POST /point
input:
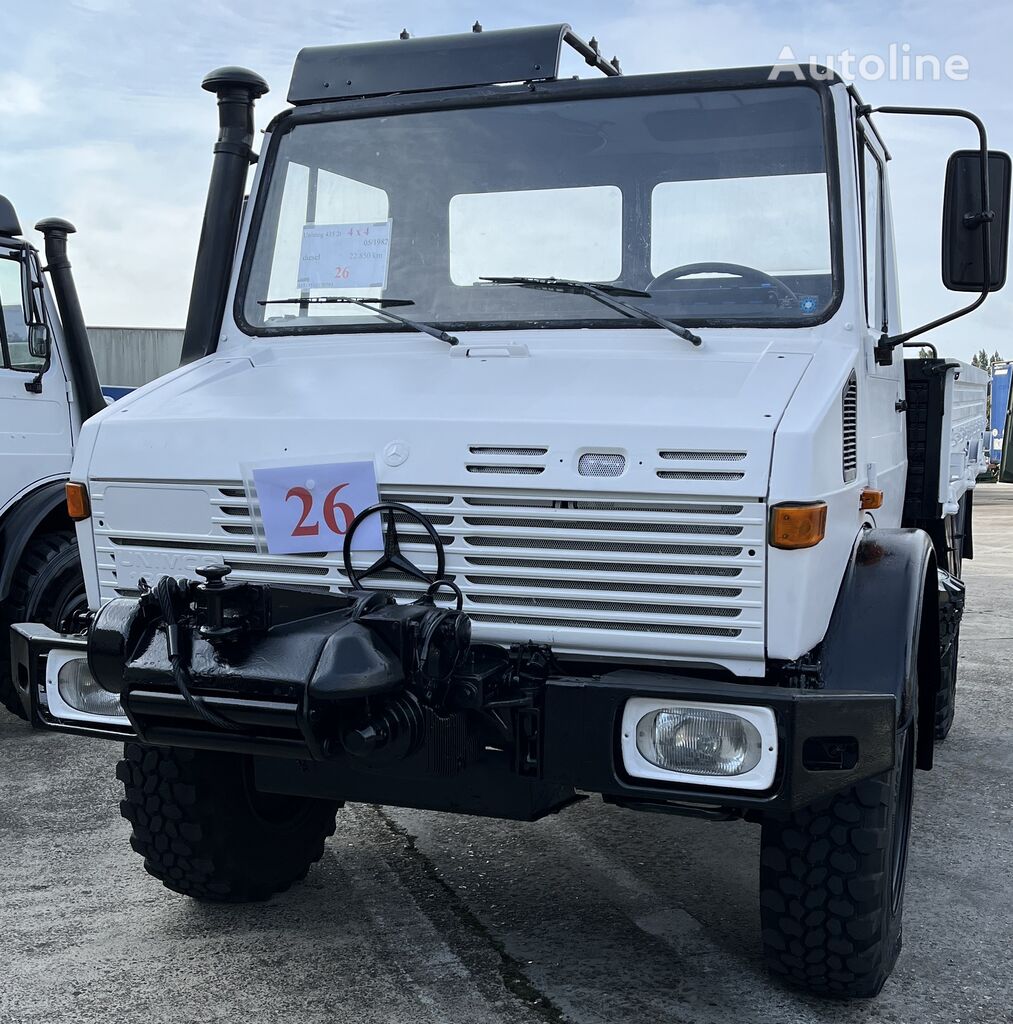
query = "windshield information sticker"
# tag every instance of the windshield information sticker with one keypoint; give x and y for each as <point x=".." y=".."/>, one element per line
<point x="344" y="255"/>
<point x="308" y="509"/>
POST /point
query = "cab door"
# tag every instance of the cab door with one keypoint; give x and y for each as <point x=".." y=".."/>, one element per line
<point x="881" y="408"/>
<point x="35" y="422"/>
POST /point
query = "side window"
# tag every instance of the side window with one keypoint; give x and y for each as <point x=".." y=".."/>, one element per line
<point x="873" y="237"/>
<point x="14" y="354"/>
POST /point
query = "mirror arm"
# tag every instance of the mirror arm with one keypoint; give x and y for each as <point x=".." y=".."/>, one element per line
<point x="982" y="218"/>
<point x="886" y="344"/>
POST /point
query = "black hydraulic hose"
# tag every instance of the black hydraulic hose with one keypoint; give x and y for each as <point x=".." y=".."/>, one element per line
<point x="169" y="595"/>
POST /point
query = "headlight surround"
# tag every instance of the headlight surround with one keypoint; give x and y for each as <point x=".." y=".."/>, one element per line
<point x="703" y="744"/>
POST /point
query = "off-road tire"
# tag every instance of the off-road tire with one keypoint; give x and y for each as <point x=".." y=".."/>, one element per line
<point x="48" y="587"/>
<point x="205" y="832"/>
<point x="829" y="908"/>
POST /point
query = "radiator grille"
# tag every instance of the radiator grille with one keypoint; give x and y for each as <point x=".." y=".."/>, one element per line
<point x="611" y="575"/>
<point x="849" y="425"/>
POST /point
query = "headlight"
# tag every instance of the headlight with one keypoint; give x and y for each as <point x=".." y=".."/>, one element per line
<point x="72" y="694"/>
<point x="702" y="742"/>
<point x="78" y="688"/>
<point x="726" y="745"/>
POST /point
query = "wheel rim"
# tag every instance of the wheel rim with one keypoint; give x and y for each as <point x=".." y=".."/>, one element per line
<point x="59" y="599"/>
<point x="902" y="824"/>
<point x="65" y="619"/>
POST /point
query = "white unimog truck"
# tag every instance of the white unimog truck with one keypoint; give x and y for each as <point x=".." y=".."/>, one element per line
<point x="539" y="437"/>
<point x="48" y="387"/>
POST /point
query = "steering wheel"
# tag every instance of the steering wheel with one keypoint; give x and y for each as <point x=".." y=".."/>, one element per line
<point x="392" y="557"/>
<point x="786" y="297"/>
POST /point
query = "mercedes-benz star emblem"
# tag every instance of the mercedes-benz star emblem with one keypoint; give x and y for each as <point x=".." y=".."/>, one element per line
<point x="395" y="453"/>
<point x="392" y="558"/>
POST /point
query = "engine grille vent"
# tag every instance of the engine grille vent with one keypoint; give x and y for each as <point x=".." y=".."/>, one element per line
<point x="849" y="424"/>
<point x="700" y="456"/>
<point x="489" y="456"/>
<point x="480" y="449"/>
<point x="514" y="470"/>
<point x="699" y="464"/>
<point x="697" y="474"/>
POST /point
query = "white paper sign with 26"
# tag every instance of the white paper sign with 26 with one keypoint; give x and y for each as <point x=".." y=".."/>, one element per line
<point x="308" y="509"/>
<point x="344" y="255"/>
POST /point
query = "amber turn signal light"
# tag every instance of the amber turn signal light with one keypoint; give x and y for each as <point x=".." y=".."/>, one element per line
<point x="78" y="505"/>
<point x="798" y="524"/>
<point x="871" y="498"/>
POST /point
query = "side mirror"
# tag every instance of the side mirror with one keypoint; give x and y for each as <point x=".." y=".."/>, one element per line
<point x="964" y="218"/>
<point x="38" y="341"/>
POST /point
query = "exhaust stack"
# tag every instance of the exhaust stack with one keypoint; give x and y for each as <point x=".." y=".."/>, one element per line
<point x="237" y="90"/>
<point x="81" y="368"/>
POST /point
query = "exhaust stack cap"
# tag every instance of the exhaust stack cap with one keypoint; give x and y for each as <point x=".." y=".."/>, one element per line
<point x="55" y="226"/>
<point x="235" y="78"/>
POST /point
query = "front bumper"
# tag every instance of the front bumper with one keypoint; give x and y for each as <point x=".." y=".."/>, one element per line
<point x="826" y="742"/>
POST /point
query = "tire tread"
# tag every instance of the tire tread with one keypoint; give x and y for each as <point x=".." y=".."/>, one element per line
<point x="184" y="830"/>
<point x="36" y="560"/>
<point x="822" y="921"/>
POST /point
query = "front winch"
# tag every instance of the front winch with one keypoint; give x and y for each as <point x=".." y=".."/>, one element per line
<point x="354" y="677"/>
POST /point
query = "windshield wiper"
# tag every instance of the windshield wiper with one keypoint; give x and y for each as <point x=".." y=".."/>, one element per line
<point x="376" y="306"/>
<point x="606" y="294"/>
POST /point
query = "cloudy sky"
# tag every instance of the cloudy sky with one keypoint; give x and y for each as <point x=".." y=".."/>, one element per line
<point x="104" y="121"/>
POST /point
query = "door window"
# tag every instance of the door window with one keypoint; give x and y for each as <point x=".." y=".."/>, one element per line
<point x="873" y="238"/>
<point x="14" y="352"/>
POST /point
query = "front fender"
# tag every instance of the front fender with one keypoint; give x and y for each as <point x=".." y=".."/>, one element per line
<point x="884" y="625"/>
<point x="20" y="523"/>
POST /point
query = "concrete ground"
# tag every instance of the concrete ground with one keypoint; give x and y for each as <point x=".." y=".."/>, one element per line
<point x="596" y="915"/>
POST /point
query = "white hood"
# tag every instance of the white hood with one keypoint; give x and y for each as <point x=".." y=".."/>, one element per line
<point x="664" y="561"/>
<point x="712" y="410"/>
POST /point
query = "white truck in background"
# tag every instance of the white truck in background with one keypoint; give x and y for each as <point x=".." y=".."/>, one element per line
<point x="48" y="387"/>
<point x="435" y="513"/>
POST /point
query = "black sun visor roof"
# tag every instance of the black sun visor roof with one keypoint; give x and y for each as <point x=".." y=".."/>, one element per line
<point x="435" y="62"/>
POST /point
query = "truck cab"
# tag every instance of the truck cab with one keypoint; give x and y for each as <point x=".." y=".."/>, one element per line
<point x="48" y="388"/>
<point x="539" y="437"/>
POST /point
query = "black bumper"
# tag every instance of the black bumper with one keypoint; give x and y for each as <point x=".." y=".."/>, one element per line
<point x="827" y="741"/>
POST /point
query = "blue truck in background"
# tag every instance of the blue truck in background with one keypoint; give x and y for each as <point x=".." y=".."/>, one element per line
<point x="1002" y="372"/>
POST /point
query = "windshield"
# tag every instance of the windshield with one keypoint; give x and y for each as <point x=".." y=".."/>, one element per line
<point x="717" y="203"/>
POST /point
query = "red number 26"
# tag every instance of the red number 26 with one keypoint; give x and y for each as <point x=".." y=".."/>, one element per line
<point x="331" y="509"/>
